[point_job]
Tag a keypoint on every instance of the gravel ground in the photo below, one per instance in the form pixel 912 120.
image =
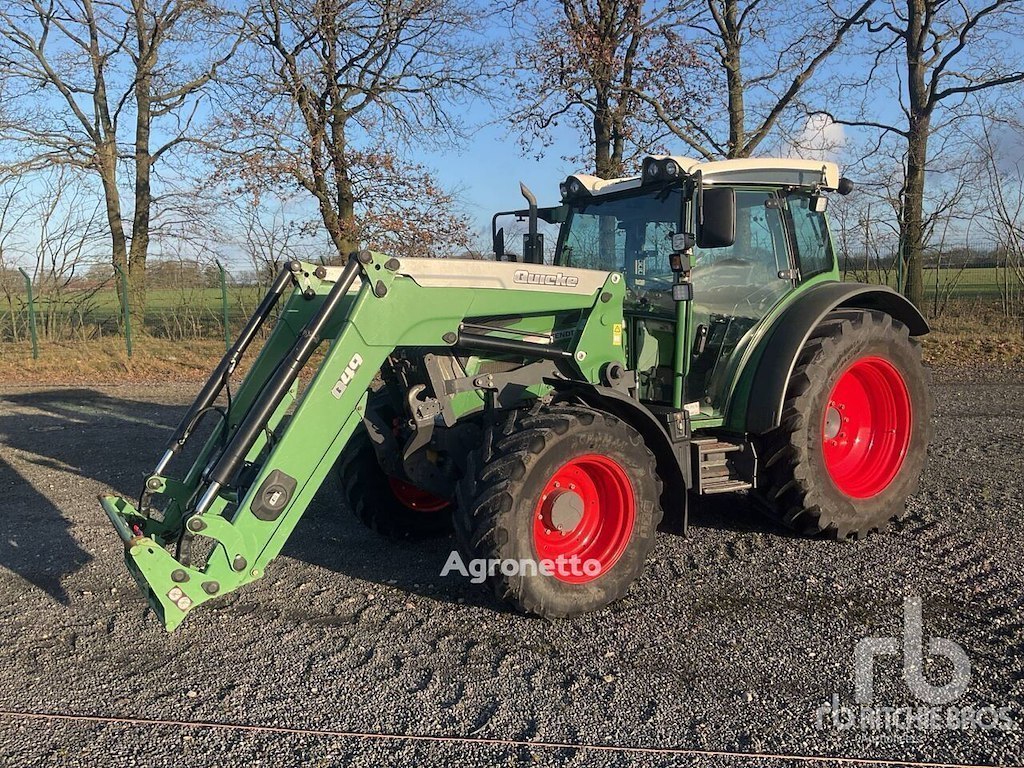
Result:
pixel 731 642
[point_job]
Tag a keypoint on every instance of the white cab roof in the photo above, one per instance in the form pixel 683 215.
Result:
pixel 783 171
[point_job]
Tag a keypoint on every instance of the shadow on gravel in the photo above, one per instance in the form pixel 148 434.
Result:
pixel 73 434
pixel 734 512
pixel 64 436
pixel 34 540
pixel 329 537
pixel 91 434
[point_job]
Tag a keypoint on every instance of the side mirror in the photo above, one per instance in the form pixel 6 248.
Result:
pixel 716 217
pixel 498 244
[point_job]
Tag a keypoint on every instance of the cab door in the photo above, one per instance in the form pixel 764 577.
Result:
pixel 733 289
pixel 632 234
pixel 649 310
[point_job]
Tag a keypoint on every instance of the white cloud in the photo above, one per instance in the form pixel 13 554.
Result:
pixel 820 139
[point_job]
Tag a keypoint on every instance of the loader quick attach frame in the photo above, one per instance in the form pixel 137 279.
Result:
pixel 258 472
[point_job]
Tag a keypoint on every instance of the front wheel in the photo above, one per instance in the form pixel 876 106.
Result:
pixel 563 508
pixel 854 433
pixel 388 505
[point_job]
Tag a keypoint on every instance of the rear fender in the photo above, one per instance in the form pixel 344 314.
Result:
pixel 757 396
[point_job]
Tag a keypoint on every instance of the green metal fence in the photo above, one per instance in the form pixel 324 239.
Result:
pixel 87 309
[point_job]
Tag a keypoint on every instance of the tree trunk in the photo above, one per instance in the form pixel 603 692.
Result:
pixel 346 212
pixel 106 166
pixel 919 107
pixel 618 139
pixel 143 203
pixel 605 168
pixel 604 163
pixel 342 228
pixel 731 46
pixel 339 219
pixel 912 236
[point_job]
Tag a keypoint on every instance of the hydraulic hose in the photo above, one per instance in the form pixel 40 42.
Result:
pixel 277 386
pixel 215 384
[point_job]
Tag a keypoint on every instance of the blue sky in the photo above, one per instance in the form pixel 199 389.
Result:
pixel 486 172
pixel 486 169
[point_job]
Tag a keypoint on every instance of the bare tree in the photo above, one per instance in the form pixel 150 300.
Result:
pixel 51 224
pixel 331 90
pixel 404 210
pixel 99 85
pixel 717 75
pixel 766 55
pixel 12 216
pixel 1004 213
pixel 940 54
pixel 69 227
pixel 592 63
pixel 266 233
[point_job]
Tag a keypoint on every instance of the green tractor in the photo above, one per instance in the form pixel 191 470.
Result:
pixel 689 336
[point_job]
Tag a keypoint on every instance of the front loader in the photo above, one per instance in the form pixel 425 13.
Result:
pixel 688 337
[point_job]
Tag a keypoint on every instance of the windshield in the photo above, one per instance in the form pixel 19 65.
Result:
pixel 631 234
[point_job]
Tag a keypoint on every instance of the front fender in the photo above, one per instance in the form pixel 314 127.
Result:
pixel 759 390
pixel 672 453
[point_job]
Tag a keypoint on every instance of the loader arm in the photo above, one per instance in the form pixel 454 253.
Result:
pixel 257 473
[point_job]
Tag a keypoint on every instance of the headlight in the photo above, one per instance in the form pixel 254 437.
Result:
pixel 663 169
pixel 572 187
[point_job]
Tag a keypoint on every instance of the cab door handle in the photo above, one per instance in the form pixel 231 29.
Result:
pixel 700 342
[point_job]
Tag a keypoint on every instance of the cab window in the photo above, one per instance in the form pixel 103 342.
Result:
pixel 759 252
pixel 631 234
pixel 733 289
pixel 810 232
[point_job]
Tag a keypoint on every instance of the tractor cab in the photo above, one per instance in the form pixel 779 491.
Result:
pixel 708 251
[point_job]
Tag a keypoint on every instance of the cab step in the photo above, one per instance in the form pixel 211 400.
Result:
pixel 724 485
pixel 721 466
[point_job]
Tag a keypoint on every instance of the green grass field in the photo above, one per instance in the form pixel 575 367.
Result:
pixel 170 313
pixel 81 340
pixel 169 299
pixel 979 282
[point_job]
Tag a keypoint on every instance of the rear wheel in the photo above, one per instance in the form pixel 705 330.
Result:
pixel 388 505
pixel 854 433
pixel 570 497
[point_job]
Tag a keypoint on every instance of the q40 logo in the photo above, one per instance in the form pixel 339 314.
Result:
pixel 346 376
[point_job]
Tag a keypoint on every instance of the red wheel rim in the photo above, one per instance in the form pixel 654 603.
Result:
pixel 584 518
pixel 866 427
pixel 416 498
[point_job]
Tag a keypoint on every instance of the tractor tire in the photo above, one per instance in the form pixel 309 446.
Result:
pixel 392 507
pixel 569 489
pixel 855 427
